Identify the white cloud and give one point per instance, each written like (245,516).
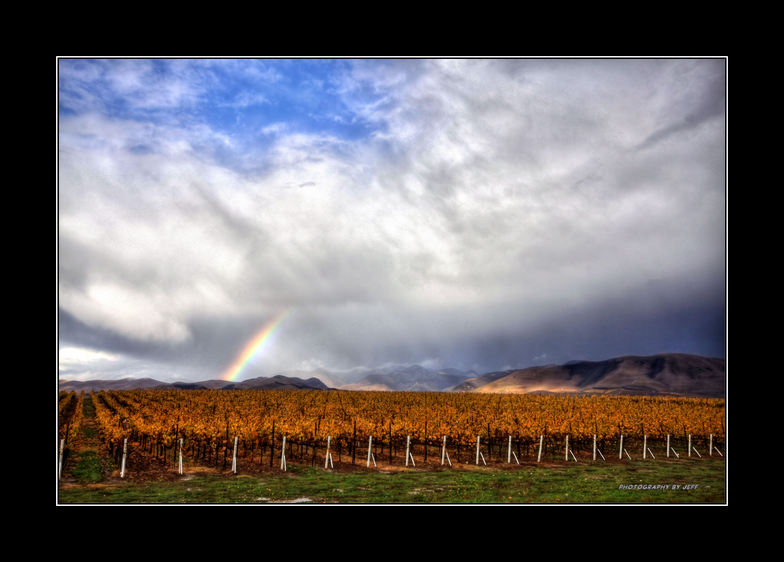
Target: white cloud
(82,363)
(246,99)
(488,186)
(70,355)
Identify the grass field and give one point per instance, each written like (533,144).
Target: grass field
(681,481)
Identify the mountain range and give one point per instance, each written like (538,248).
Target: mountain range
(672,374)
(666,374)
(277,382)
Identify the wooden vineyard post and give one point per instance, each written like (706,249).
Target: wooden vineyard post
(409,454)
(511,453)
(569,451)
(179,467)
(594,446)
(370,453)
(125,454)
(620,451)
(710,445)
(328,459)
(689,444)
(60,463)
(283,455)
(479,453)
(234,457)
(669,448)
(539,456)
(443,451)
(598,450)
(644,447)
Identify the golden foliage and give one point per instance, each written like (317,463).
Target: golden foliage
(214,415)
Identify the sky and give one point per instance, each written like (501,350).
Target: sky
(479,214)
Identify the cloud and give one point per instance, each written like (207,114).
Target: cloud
(79,363)
(245,99)
(485,203)
(699,97)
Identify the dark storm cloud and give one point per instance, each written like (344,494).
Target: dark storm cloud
(495,213)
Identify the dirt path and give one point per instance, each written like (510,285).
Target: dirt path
(86,461)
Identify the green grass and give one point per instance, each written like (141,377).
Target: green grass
(582,483)
(88,468)
(88,432)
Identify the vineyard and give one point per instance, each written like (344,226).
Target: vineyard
(253,431)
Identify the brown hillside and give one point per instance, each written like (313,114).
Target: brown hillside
(669,374)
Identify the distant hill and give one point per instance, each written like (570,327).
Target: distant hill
(473,383)
(278,382)
(265,383)
(119,384)
(414,379)
(666,374)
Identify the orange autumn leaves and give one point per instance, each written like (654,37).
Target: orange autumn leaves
(313,415)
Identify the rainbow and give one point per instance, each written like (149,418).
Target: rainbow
(253,347)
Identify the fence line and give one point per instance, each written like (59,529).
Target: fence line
(250,455)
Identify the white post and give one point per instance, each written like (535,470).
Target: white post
(234,457)
(60,467)
(710,446)
(567,448)
(509,451)
(283,455)
(620,451)
(594,446)
(477,449)
(689,444)
(668,445)
(370,444)
(125,454)
(443,451)
(539,456)
(644,446)
(180,465)
(326,460)
(408,444)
